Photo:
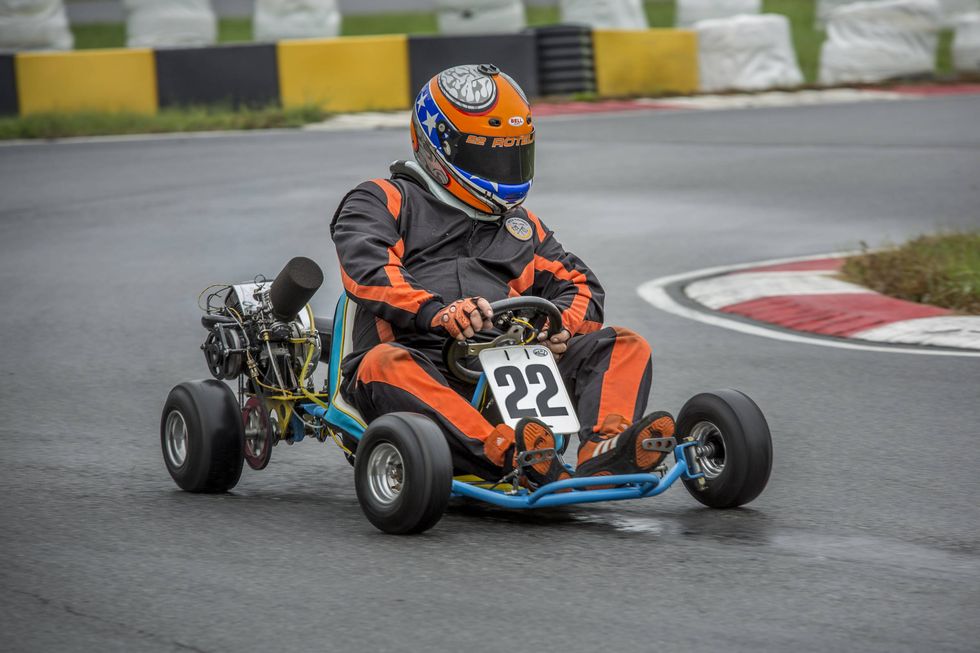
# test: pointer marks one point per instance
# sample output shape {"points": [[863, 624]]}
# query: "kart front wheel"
{"points": [[733, 450], [202, 436], [403, 473]]}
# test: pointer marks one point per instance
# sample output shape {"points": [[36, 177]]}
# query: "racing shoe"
{"points": [[618, 447], [533, 435]]}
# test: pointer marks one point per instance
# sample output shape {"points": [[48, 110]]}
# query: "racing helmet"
{"points": [[472, 133]]}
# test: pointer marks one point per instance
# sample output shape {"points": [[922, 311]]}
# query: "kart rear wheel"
{"points": [[403, 473], [734, 447], [202, 436]]}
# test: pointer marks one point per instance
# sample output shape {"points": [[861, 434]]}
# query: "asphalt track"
{"points": [[866, 539]]}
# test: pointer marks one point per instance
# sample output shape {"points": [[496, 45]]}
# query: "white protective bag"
{"points": [[34, 25], [604, 14], [295, 19], [966, 43], [826, 7], [953, 9], [875, 41], [693, 11], [747, 53], [480, 16], [161, 23]]}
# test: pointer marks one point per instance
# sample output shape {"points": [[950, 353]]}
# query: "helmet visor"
{"points": [[504, 160]]}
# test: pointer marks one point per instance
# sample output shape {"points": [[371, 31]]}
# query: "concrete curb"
{"points": [[801, 300], [807, 296]]}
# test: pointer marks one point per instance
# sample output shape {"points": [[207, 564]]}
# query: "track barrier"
{"points": [[355, 73], [747, 53], [645, 62], [88, 80]]}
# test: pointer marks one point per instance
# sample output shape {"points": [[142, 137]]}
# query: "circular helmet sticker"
{"points": [[518, 228], [468, 88]]}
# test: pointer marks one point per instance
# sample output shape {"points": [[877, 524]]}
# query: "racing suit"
{"points": [[404, 254]]}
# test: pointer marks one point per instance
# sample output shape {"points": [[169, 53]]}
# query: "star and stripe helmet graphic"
{"points": [[472, 132]]}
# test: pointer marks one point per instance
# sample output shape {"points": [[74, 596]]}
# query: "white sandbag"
{"points": [[692, 11], [34, 25], [604, 14], [875, 41], [747, 53], [480, 16], [155, 23], [295, 19], [824, 9], [966, 43], [953, 9]]}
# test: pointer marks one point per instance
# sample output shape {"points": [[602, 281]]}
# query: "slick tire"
{"points": [[735, 445], [202, 436], [403, 473]]}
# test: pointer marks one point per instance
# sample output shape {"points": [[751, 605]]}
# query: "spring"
{"points": [[706, 450]]}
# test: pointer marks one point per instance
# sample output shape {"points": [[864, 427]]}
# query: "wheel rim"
{"points": [[710, 448], [386, 473], [175, 436]]}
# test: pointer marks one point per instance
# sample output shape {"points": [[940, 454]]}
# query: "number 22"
{"points": [[511, 375]]}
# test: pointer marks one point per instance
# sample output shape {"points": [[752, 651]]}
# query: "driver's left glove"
{"points": [[463, 318]]}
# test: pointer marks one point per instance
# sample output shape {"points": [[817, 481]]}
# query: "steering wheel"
{"points": [[520, 318]]}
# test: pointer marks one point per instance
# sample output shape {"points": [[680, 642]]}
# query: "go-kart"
{"points": [[265, 337]]}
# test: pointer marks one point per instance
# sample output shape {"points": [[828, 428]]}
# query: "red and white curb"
{"points": [[805, 300]]}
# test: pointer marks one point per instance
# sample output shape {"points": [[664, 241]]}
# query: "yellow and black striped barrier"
{"points": [[347, 74]]}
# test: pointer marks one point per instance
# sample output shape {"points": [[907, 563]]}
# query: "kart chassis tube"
{"points": [[630, 486], [637, 486], [634, 486]]}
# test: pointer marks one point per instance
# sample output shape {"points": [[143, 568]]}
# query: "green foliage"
{"points": [[942, 270], [62, 125]]}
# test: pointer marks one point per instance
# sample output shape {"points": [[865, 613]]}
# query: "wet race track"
{"points": [[866, 538]]}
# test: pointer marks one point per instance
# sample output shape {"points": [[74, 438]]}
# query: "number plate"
{"points": [[525, 383]]}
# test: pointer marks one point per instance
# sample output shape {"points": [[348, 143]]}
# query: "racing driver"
{"points": [[424, 253]]}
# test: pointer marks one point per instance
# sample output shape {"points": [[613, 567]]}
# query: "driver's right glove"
{"points": [[455, 318]]}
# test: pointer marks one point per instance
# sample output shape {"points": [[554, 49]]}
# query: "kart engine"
{"points": [[264, 331]]}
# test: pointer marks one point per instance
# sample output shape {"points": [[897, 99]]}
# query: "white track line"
{"points": [[655, 292]]}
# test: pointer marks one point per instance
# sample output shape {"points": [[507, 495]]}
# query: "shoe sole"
{"points": [[659, 425]]}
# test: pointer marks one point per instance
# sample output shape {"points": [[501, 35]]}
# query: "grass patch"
{"points": [[944, 57], [62, 125], [113, 35], [234, 30], [661, 13], [99, 35], [412, 22], [806, 38], [941, 270]]}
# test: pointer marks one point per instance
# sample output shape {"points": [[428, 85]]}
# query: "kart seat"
{"points": [[324, 326], [341, 414]]}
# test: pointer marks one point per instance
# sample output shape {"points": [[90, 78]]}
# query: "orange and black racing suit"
{"points": [[404, 255]]}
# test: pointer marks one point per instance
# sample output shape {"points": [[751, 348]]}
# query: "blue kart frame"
{"points": [[403, 463], [505, 495]]}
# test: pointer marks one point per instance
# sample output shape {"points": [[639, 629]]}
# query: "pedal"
{"points": [[664, 445], [535, 456]]}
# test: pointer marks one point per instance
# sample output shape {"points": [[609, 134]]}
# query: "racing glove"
{"points": [[455, 317]]}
